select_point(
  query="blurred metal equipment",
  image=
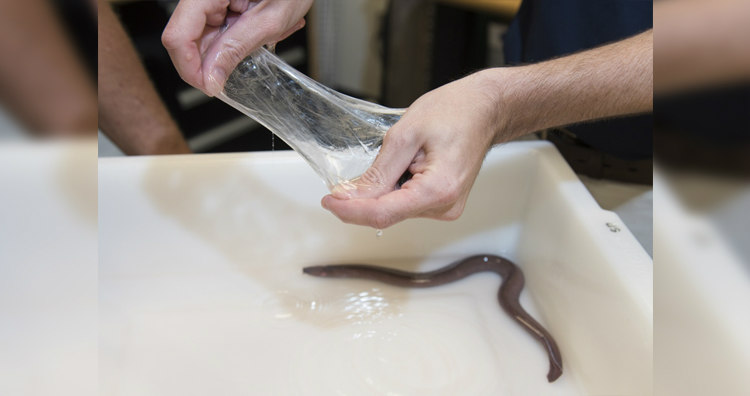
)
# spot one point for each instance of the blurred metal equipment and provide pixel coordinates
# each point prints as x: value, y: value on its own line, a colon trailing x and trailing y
x: 429, y: 43
x: 346, y: 47
x: 407, y: 51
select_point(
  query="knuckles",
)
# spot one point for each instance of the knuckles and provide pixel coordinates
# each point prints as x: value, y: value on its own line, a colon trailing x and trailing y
x: 270, y: 26
x: 453, y: 213
x: 397, y: 138
x: 373, y: 176
x: 232, y: 51
x: 446, y: 192
x: 169, y: 38
x: 446, y: 197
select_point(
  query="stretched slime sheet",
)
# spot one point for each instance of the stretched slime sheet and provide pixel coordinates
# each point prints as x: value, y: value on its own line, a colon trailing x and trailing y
x: 339, y: 136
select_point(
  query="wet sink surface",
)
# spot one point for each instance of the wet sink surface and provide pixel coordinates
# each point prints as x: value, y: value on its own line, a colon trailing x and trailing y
x: 201, y: 289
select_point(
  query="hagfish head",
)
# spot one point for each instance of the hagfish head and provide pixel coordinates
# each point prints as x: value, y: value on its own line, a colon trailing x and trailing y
x: 315, y: 270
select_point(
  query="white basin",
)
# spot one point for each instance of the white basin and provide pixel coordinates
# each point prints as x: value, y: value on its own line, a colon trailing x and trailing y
x: 201, y: 289
x: 702, y: 293
x: 48, y: 259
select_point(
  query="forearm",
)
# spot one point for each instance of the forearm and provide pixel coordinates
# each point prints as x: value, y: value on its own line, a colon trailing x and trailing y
x: 612, y: 80
x: 42, y: 81
x: 130, y: 111
x: 700, y: 43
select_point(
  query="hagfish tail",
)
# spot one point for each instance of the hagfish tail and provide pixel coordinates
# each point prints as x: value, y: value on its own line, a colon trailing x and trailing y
x: 510, y: 290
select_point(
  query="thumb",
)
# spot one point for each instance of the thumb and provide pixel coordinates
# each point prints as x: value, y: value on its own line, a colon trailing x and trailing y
x: 396, y: 155
x: 231, y: 47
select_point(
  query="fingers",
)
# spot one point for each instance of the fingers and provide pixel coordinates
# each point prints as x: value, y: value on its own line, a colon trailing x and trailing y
x: 251, y: 30
x: 297, y: 26
x: 204, y: 56
x: 185, y: 28
x: 400, y: 148
x: 378, y: 213
x: 240, y: 6
x: 426, y: 195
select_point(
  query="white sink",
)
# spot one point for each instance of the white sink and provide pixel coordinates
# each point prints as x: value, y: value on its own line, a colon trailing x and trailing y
x: 48, y: 259
x: 202, y: 292
x: 702, y: 293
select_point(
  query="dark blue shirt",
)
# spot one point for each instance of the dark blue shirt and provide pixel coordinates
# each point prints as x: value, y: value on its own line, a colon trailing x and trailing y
x: 544, y: 29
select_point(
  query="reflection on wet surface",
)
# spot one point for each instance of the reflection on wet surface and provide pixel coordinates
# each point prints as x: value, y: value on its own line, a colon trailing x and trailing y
x: 327, y: 309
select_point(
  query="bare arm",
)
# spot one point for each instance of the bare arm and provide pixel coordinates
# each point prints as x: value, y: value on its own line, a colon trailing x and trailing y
x: 444, y: 135
x: 130, y: 111
x: 608, y: 81
x: 700, y: 43
x: 42, y: 81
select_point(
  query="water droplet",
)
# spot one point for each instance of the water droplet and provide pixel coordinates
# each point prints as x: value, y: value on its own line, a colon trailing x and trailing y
x: 379, y: 233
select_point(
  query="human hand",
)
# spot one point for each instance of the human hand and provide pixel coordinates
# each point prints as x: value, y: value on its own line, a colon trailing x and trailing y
x: 443, y: 137
x: 206, y: 39
x: 441, y: 140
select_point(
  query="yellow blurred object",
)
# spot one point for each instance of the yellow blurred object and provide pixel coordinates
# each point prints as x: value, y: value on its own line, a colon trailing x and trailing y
x: 501, y: 7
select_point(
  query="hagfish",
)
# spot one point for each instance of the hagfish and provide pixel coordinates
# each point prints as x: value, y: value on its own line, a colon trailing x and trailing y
x: 508, y: 295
